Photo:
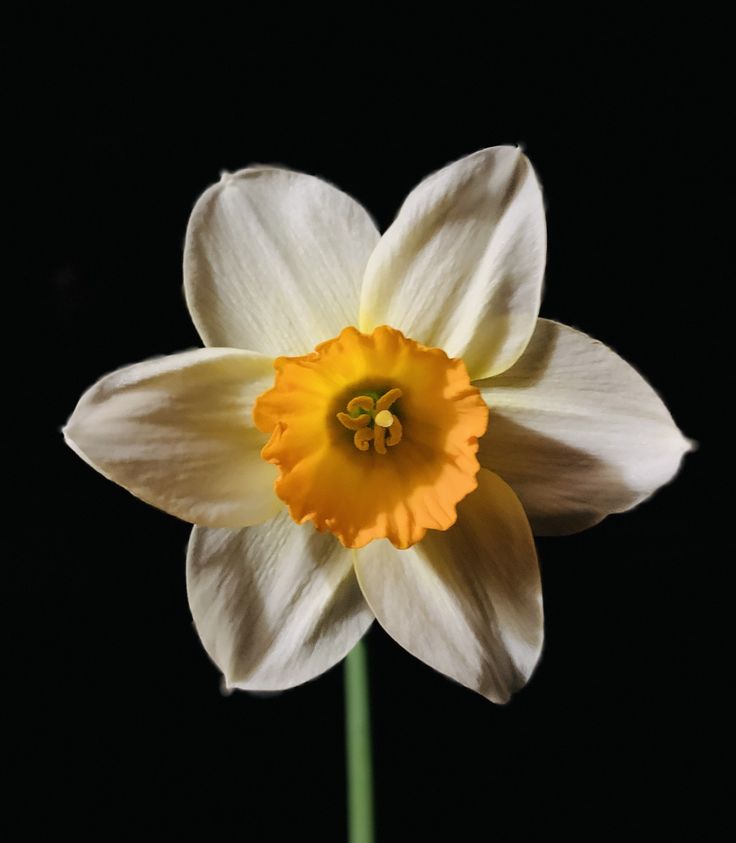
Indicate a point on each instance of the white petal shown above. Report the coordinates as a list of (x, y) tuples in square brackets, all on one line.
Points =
[(178, 432), (461, 267), (467, 601), (273, 261), (275, 605), (576, 431)]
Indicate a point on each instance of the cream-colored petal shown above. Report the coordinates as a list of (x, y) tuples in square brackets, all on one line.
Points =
[(275, 605), (178, 432), (466, 601), (273, 261), (461, 267), (576, 431)]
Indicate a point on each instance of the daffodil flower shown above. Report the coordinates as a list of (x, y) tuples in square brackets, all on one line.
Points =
[(421, 417)]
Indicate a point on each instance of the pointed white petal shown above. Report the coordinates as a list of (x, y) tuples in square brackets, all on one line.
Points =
[(576, 431), (178, 432), (273, 261), (275, 605), (467, 601), (461, 267)]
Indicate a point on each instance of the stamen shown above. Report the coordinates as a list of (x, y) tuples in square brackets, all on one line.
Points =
[(362, 402), (353, 424), (363, 437), (384, 419), (378, 439), (394, 433), (387, 399), (370, 419)]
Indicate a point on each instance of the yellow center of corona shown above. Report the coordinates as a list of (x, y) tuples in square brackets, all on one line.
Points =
[(370, 419)]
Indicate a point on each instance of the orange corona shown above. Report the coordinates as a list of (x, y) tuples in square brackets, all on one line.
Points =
[(374, 435)]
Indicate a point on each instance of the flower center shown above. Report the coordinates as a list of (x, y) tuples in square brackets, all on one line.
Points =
[(369, 416), (332, 415)]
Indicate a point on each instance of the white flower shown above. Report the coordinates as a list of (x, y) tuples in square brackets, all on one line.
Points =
[(378, 437)]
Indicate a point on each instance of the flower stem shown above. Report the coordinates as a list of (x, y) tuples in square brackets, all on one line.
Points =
[(358, 747)]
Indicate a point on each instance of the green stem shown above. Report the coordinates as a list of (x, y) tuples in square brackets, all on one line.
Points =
[(358, 747)]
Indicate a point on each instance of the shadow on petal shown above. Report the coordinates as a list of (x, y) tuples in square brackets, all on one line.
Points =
[(563, 489)]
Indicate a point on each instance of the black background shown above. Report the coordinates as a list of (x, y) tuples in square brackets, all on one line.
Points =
[(117, 727)]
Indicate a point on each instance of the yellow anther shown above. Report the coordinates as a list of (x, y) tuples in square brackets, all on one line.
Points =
[(363, 437), (378, 439), (353, 424), (384, 419), (371, 421), (394, 433), (387, 399), (361, 402)]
